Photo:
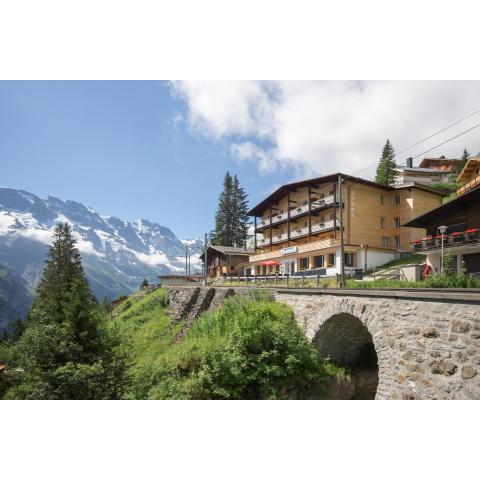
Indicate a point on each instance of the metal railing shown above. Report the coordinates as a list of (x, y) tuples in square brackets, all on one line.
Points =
[(454, 239), (295, 212), (297, 232)]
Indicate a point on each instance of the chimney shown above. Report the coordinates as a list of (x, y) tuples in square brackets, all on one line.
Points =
[(409, 162)]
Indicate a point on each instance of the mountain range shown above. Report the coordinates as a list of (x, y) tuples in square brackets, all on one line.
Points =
[(116, 254)]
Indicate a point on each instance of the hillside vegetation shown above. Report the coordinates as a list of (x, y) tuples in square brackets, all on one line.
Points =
[(250, 348)]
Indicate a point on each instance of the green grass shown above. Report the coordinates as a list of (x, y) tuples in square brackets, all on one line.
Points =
[(400, 262), (438, 281)]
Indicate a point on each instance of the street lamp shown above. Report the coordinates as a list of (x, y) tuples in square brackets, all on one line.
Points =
[(442, 229)]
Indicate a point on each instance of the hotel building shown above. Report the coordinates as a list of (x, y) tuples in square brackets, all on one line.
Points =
[(297, 227)]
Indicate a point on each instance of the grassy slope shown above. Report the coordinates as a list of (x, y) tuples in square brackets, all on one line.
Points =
[(161, 368)]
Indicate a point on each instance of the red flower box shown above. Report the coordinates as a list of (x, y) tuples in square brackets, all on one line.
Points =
[(456, 234), (472, 230)]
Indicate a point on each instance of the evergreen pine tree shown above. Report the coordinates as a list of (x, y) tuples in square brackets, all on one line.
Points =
[(240, 217), (63, 294), (223, 233), (18, 329), (65, 351), (231, 219), (144, 283), (385, 170), (464, 160)]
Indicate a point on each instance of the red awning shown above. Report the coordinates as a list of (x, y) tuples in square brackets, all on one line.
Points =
[(270, 262)]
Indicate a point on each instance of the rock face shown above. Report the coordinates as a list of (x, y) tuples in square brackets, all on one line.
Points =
[(397, 348)]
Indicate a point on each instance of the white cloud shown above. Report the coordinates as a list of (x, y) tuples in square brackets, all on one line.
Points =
[(321, 127)]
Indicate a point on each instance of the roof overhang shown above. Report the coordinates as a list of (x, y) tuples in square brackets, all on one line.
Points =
[(280, 192)]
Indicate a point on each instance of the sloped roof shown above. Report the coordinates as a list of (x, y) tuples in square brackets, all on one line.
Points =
[(280, 192), (467, 170), (427, 161), (431, 171), (228, 250)]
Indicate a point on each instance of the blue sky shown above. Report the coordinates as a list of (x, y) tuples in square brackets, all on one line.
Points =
[(117, 147), (160, 150)]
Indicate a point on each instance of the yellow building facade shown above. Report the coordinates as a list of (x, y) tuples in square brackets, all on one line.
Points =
[(297, 227)]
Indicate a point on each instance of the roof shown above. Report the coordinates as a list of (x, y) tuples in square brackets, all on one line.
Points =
[(229, 250), (427, 161), (431, 171), (423, 220), (288, 187), (466, 173)]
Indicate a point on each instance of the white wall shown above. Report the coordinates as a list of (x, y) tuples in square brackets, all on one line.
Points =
[(374, 258)]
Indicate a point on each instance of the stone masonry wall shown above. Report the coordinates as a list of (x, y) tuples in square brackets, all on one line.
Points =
[(426, 348)]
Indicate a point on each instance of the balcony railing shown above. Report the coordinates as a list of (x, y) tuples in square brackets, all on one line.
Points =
[(454, 239), (468, 186), (295, 233), (295, 212)]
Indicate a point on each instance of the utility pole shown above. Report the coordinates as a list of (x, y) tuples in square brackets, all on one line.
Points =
[(442, 230), (205, 268), (342, 241)]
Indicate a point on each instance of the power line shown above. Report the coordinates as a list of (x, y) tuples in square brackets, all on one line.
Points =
[(439, 131), (446, 141), (427, 138)]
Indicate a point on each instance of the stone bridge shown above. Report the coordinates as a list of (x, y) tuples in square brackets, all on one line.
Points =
[(399, 344)]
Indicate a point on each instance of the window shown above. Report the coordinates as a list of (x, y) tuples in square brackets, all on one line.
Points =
[(349, 257), (331, 260), (385, 241), (318, 261), (397, 199), (382, 199), (397, 222), (397, 241), (304, 263), (382, 222)]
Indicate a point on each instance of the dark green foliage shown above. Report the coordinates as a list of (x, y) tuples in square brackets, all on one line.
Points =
[(144, 283), (385, 170), (447, 188), (465, 156), (231, 220), (240, 217), (18, 329), (66, 350)]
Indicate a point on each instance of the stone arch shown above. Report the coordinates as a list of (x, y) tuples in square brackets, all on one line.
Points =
[(347, 342), (313, 312)]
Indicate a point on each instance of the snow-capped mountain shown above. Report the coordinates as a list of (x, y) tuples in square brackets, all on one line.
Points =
[(116, 254)]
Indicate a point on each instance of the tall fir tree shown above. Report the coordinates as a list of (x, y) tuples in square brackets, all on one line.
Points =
[(386, 166), (63, 294), (464, 159), (231, 219), (240, 216), (66, 351)]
